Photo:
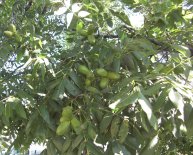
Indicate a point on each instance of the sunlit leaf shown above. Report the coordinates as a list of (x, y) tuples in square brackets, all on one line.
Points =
[(83, 14), (76, 7), (49, 66), (177, 100), (182, 49), (151, 147), (125, 100), (147, 108)]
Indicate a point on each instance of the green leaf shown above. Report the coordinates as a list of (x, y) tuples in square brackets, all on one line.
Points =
[(174, 16), (91, 132), (8, 110), (94, 149), (79, 26), (115, 124), (43, 71), (51, 149), (54, 83), (132, 141), (182, 49), (59, 93), (124, 129), (76, 79), (188, 123), (31, 122), (20, 110), (2, 108), (77, 141), (91, 39), (116, 65), (66, 145), (147, 108), (81, 148), (106, 121), (20, 54), (71, 20), (120, 149), (159, 103), (143, 121), (122, 16), (150, 149), (49, 66), (125, 100), (152, 90), (45, 115), (177, 100), (71, 88), (58, 142)]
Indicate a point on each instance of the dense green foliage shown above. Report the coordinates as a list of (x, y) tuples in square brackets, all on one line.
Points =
[(88, 81)]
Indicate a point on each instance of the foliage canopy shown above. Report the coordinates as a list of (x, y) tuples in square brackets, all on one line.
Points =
[(87, 81)]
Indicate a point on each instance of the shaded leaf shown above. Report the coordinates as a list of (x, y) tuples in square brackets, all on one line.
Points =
[(66, 145), (81, 148), (58, 142), (124, 129), (51, 149), (75, 78), (91, 132), (143, 121), (20, 110), (105, 122), (71, 88), (60, 90), (152, 90), (8, 110), (77, 141), (94, 149), (120, 149), (31, 122), (45, 115), (115, 126)]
